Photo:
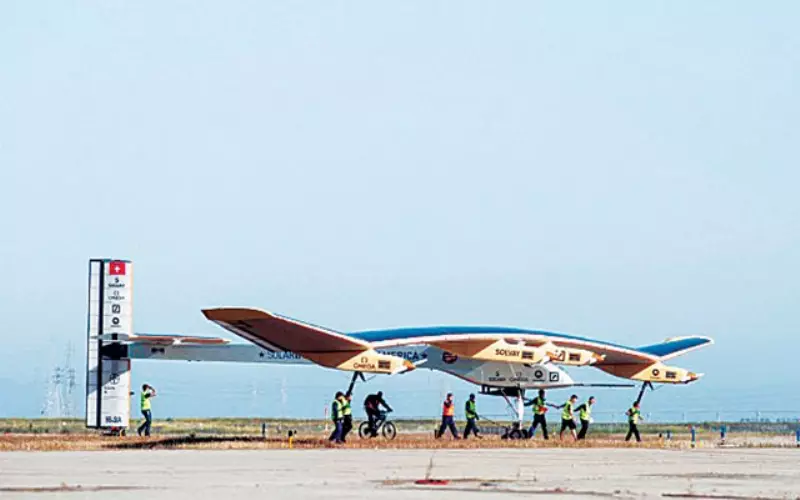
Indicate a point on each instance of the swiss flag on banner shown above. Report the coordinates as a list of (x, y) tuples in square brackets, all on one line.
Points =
[(116, 268)]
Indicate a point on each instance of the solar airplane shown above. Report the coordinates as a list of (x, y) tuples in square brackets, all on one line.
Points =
[(503, 361)]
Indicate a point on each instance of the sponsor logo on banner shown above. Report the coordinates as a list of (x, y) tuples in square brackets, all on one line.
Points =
[(116, 283), (116, 296), (116, 268)]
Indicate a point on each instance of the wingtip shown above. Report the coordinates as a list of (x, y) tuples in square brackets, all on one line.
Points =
[(685, 337), (233, 313), (692, 376)]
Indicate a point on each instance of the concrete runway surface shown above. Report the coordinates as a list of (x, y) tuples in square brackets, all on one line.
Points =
[(389, 474)]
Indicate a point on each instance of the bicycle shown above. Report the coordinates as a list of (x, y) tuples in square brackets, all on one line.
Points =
[(382, 425)]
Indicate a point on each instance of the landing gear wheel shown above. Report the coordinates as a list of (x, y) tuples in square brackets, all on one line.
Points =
[(515, 434), (363, 430), (389, 431)]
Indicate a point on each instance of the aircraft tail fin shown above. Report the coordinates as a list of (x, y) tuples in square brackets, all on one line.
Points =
[(676, 346)]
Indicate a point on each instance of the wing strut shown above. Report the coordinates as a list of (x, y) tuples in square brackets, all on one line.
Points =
[(356, 376), (645, 385)]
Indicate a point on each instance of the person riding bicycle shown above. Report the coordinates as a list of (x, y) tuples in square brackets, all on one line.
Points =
[(372, 405)]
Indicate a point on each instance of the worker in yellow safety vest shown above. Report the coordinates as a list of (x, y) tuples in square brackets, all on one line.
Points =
[(148, 392), (471, 412), (634, 415), (568, 417), (539, 409), (337, 417), (585, 415), (347, 416)]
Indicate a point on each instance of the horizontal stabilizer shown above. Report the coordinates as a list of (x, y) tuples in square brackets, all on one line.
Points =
[(177, 339)]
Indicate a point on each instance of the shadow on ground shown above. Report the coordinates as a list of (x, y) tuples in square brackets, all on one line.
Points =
[(175, 442)]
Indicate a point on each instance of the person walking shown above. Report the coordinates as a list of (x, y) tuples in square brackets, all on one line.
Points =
[(347, 416), (448, 417), (585, 416), (471, 412), (337, 417), (568, 417), (539, 409), (145, 405), (634, 415)]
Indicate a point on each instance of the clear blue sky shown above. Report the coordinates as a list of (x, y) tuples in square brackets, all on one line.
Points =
[(620, 170)]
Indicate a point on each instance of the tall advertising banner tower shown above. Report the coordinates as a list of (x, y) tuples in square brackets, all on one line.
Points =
[(110, 324)]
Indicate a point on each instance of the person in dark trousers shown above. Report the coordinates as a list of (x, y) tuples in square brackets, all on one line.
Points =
[(448, 417), (539, 409), (568, 417), (148, 392), (337, 417), (372, 405), (347, 416), (634, 415), (585, 415), (471, 412)]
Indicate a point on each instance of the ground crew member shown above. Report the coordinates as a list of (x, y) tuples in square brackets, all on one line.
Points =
[(448, 417), (585, 414), (568, 417), (539, 409), (347, 416), (337, 417), (372, 405), (471, 412), (148, 392), (634, 415)]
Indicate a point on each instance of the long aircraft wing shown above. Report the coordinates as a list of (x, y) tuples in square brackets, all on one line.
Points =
[(357, 351), (612, 354), (643, 364), (320, 345), (278, 333)]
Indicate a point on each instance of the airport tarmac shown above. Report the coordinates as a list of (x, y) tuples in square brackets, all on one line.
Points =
[(389, 474)]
